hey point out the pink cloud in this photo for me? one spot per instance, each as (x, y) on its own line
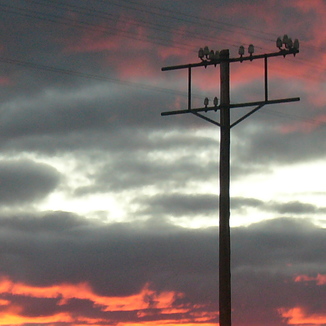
(125, 35)
(5, 81)
(306, 126)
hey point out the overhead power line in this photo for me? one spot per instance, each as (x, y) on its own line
(87, 26)
(212, 24)
(181, 16)
(70, 72)
(94, 27)
(155, 26)
(161, 12)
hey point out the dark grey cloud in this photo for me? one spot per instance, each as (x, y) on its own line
(285, 208)
(182, 204)
(25, 181)
(119, 259)
(58, 112)
(270, 147)
(138, 170)
(135, 159)
(178, 204)
(241, 202)
(296, 207)
(274, 239)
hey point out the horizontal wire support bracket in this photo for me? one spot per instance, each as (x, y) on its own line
(216, 62)
(215, 108)
(232, 106)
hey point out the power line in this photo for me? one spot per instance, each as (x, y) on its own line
(70, 72)
(292, 116)
(177, 15)
(85, 25)
(207, 22)
(154, 26)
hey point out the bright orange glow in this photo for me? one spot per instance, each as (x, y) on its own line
(84, 291)
(146, 304)
(297, 316)
(13, 318)
(167, 322)
(320, 279)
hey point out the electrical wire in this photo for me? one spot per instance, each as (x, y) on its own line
(179, 16)
(137, 85)
(155, 26)
(86, 26)
(292, 117)
(218, 25)
(70, 72)
(141, 23)
(61, 20)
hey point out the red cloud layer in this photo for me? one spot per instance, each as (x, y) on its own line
(148, 307)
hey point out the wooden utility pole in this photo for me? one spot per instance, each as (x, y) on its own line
(223, 59)
(224, 202)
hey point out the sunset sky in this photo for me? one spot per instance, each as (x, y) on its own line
(109, 212)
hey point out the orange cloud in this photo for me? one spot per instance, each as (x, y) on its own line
(297, 316)
(12, 317)
(320, 279)
(147, 304)
(168, 322)
(83, 291)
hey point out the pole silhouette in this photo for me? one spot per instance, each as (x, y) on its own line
(222, 58)
(224, 202)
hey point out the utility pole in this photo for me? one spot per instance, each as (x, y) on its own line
(224, 202)
(286, 46)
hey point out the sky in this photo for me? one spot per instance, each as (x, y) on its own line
(109, 211)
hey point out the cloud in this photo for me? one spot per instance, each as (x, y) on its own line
(84, 94)
(140, 171)
(286, 148)
(57, 252)
(319, 279)
(78, 304)
(298, 316)
(297, 208)
(25, 181)
(177, 204)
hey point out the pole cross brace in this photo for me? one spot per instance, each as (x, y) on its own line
(258, 104)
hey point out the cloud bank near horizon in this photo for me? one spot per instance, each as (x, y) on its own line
(133, 273)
